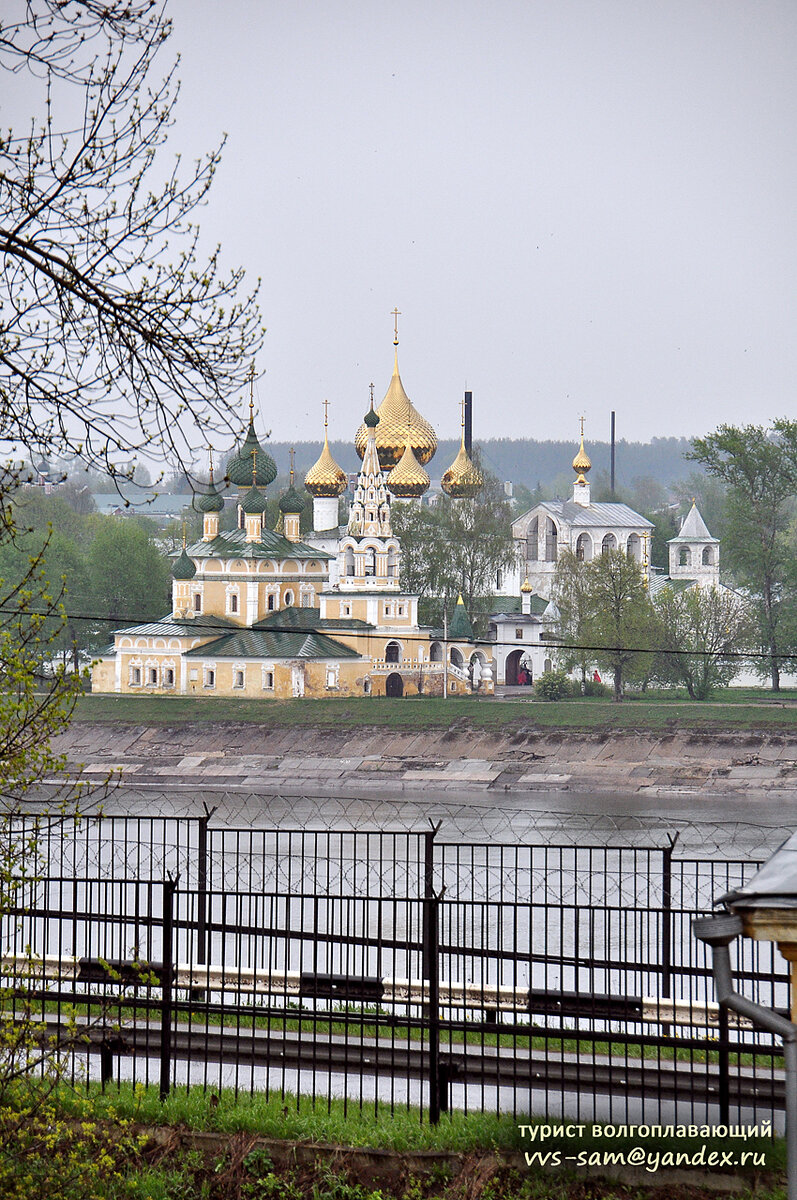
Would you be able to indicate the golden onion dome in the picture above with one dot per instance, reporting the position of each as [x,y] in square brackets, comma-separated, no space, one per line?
[408,480]
[525,586]
[462,479]
[325,477]
[398,421]
[582,462]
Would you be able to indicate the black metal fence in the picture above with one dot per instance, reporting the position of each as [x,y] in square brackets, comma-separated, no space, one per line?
[387,969]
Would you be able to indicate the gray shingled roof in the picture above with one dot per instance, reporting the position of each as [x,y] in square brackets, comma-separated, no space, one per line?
[308,619]
[616,516]
[694,529]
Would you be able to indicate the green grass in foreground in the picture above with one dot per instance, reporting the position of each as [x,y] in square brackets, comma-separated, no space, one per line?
[742,709]
[284,1117]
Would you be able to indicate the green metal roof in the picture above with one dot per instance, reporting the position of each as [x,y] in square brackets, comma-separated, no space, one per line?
[233,544]
[255,643]
[202,624]
[460,626]
[513,604]
[308,619]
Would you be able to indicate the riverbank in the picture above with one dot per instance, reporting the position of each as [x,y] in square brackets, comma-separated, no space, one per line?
[355,758]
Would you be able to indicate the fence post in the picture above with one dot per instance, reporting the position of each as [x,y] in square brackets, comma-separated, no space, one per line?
[202,948]
[167,973]
[431,970]
[431,910]
[666,917]
[724,1066]
[428,888]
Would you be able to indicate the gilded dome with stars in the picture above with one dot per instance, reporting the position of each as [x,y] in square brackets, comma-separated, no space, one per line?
[462,479]
[325,477]
[408,480]
[398,421]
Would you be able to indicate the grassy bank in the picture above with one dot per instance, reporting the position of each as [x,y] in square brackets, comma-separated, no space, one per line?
[743,709]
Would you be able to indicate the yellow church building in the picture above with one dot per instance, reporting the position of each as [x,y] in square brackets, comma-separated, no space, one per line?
[261,612]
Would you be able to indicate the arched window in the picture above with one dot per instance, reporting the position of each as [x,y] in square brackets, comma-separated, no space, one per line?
[435,652]
[197,602]
[370,561]
[708,557]
[584,547]
[685,557]
[270,603]
[456,657]
[499,579]
[609,543]
[393,652]
[391,562]
[348,561]
[551,536]
[532,540]
[633,547]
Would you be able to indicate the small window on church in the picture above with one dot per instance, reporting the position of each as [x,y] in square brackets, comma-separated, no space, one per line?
[168,677]
[152,676]
[270,604]
[210,678]
[135,676]
[233,602]
[268,681]
[499,579]
[239,679]
[197,602]
[307,600]
[401,610]
[519,634]
[288,599]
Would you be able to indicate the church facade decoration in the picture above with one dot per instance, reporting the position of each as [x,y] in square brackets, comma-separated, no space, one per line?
[262,613]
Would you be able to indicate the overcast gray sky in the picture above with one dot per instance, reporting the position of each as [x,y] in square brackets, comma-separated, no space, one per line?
[576,206]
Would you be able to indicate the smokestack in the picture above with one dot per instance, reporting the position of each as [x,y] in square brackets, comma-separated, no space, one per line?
[612,454]
[468,421]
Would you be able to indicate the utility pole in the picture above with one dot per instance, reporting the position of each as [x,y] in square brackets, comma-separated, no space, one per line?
[445,652]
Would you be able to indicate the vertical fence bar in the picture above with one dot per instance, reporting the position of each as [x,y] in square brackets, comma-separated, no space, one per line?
[202,886]
[431,956]
[666,918]
[167,936]
[724,1066]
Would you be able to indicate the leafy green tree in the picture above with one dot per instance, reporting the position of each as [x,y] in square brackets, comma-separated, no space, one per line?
[758,467]
[129,579]
[700,634]
[573,600]
[455,547]
[620,621]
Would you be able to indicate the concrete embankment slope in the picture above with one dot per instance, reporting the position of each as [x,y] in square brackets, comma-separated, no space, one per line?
[225,754]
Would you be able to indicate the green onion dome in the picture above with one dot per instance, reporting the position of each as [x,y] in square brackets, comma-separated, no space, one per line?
[183,568]
[371,419]
[291,501]
[209,502]
[254,501]
[239,467]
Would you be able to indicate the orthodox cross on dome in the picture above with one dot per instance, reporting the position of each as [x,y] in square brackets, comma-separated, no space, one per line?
[371,386]
[183,535]
[581,418]
[251,378]
[292,454]
[326,413]
[210,459]
[395,315]
[254,466]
